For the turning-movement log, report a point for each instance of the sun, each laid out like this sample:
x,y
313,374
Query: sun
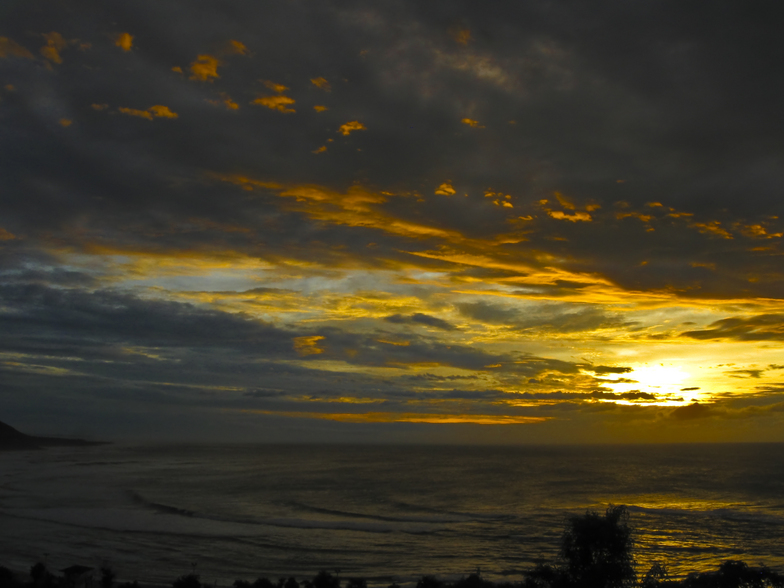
x,y
659,379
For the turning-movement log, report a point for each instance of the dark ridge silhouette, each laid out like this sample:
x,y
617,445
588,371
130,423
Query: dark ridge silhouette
x,y
595,552
11,439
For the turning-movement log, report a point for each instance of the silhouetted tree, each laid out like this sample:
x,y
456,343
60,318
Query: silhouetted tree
x,y
187,581
326,580
429,582
473,581
596,552
107,577
41,576
7,578
544,576
735,574
356,583
656,576
37,572
263,583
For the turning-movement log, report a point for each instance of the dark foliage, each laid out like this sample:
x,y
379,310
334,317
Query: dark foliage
x,y
7,578
735,574
37,572
472,581
42,578
596,552
107,577
429,582
326,580
187,581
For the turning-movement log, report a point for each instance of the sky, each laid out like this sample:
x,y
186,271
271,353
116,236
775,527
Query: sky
x,y
547,221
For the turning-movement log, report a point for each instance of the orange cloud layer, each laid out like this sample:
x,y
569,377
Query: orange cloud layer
x,y
410,417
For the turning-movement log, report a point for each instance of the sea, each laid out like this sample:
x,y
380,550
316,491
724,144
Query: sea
x,y
383,513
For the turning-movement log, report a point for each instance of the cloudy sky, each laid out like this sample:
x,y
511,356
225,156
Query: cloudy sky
x,y
285,220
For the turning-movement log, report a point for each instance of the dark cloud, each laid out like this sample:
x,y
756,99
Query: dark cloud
x,y
745,373
605,369
557,317
763,327
413,350
691,412
696,123
41,314
631,395
422,319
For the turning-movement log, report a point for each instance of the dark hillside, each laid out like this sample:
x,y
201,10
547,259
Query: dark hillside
x,y
11,439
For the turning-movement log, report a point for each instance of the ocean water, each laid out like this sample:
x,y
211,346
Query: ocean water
x,y
382,513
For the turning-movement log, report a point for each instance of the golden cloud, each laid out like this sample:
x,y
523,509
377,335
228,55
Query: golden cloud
x,y
124,41
757,231
356,207
205,68
564,201
10,48
279,88
461,36
135,112
445,189
55,43
320,108
410,417
160,111
308,345
236,47
471,123
279,103
321,83
65,122
226,101
639,216
577,216
712,228
351,126
6,235
156,111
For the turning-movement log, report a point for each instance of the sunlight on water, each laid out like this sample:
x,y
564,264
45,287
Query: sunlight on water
x,y
385,513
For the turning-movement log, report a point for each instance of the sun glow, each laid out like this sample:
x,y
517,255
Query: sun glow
x,y
658,379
